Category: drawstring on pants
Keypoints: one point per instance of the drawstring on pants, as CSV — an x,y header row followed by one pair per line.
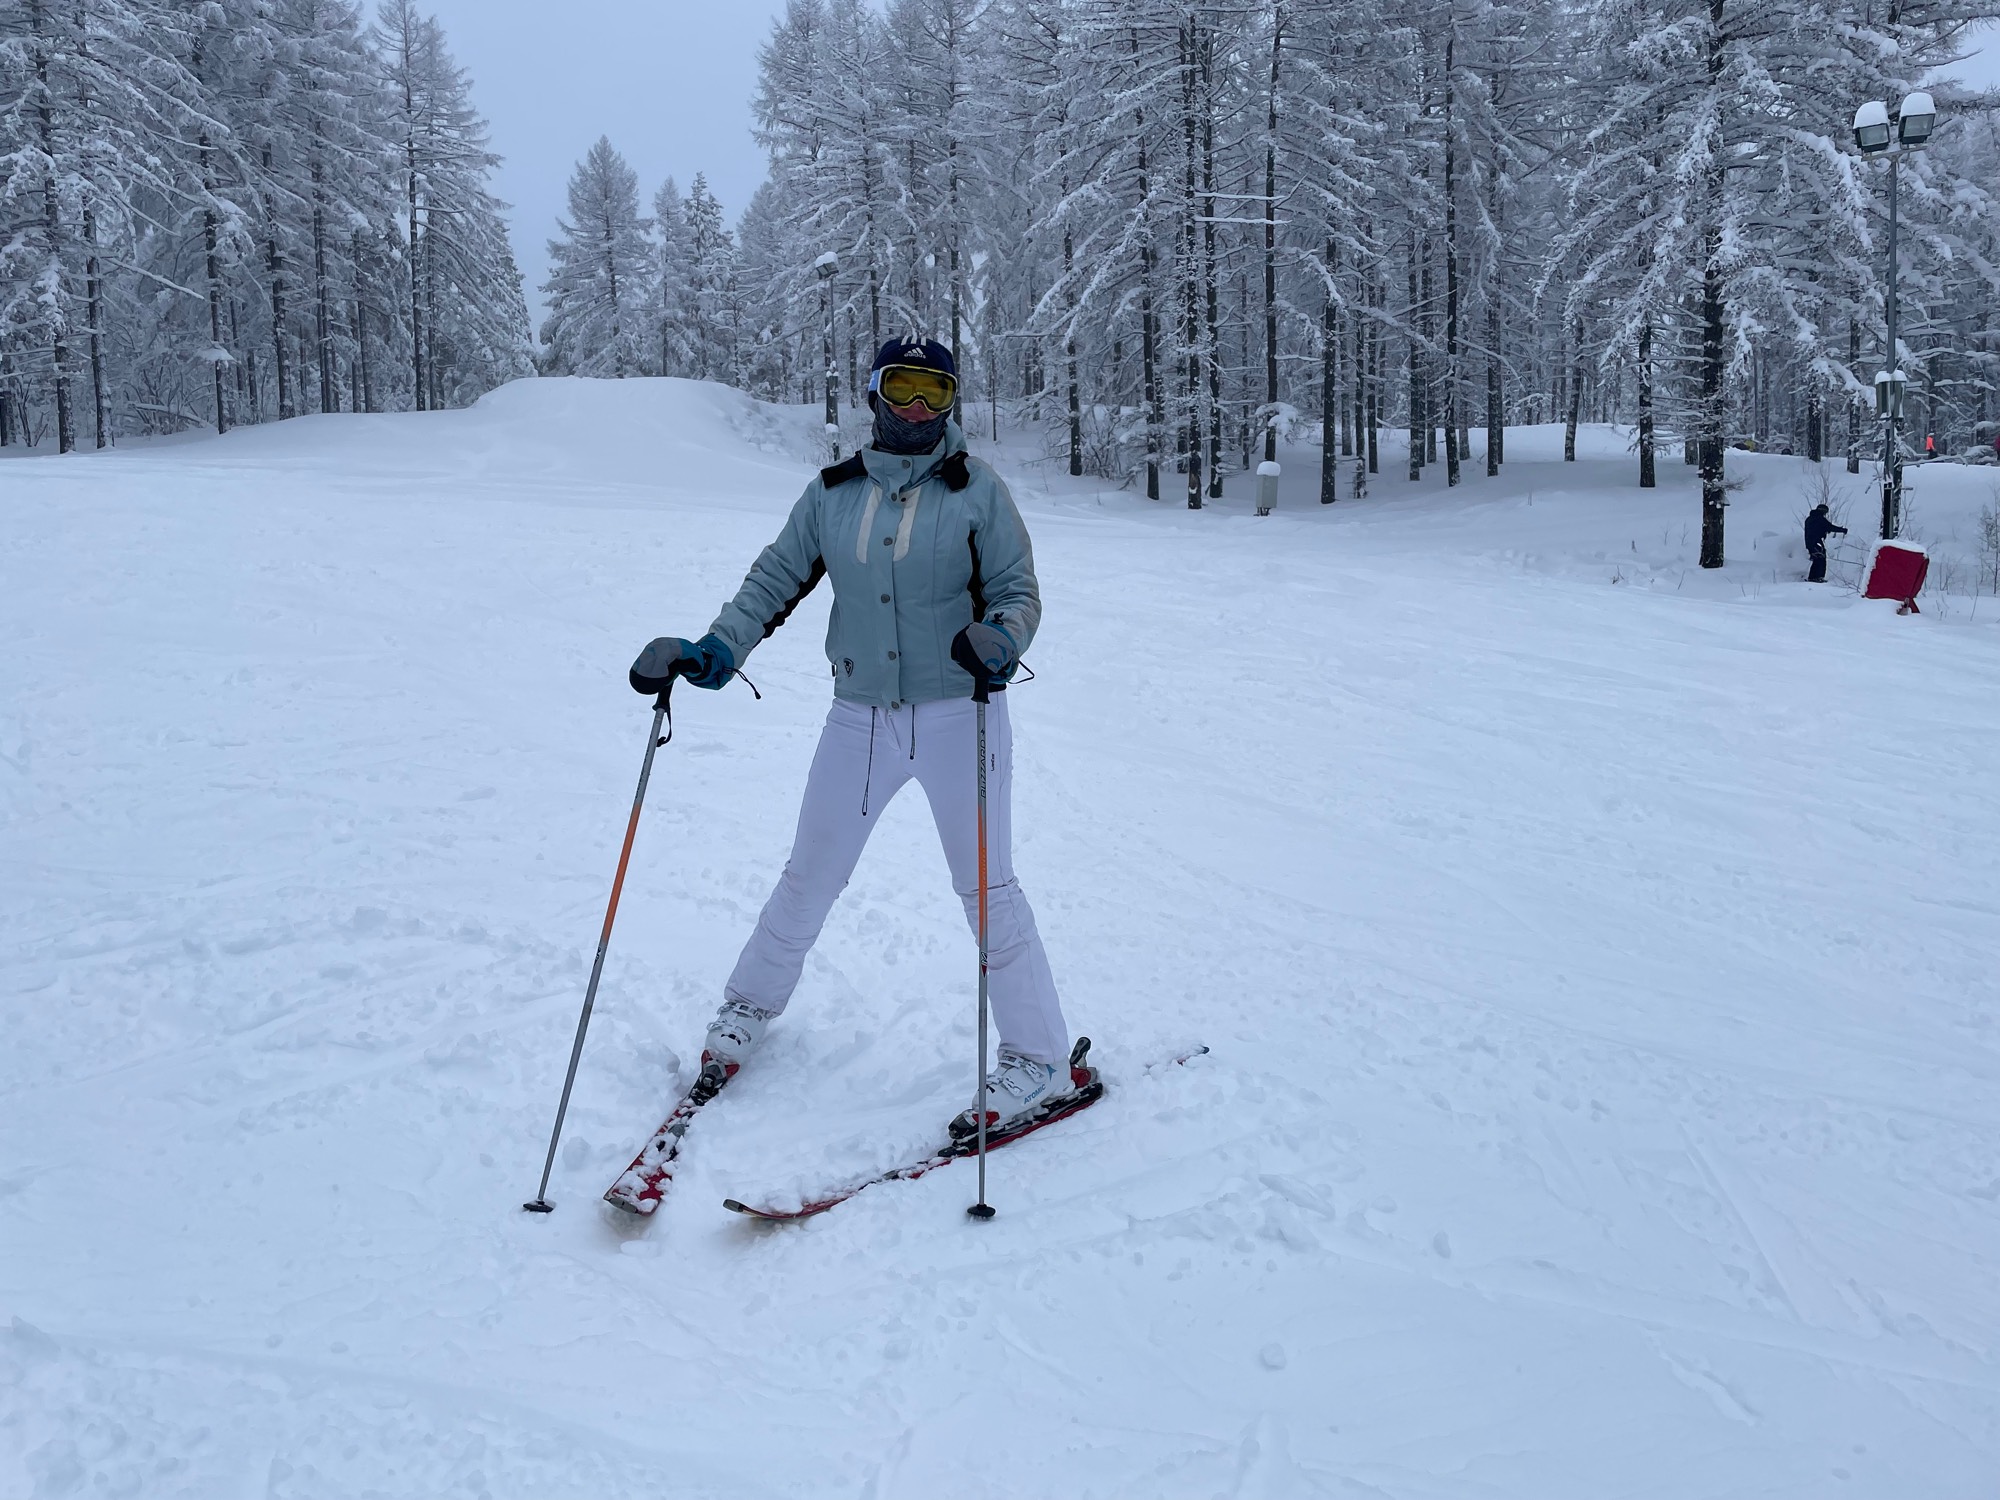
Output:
x,y
876,716
868,775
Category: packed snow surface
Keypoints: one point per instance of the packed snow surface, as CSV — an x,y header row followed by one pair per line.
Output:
x,y
1597,958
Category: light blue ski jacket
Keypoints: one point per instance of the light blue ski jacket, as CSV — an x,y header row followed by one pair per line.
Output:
x,y
917,548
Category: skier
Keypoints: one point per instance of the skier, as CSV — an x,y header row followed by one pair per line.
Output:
x,y
933,578
1818,527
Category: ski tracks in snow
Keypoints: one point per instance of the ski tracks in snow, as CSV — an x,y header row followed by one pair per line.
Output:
x,y
1603,1063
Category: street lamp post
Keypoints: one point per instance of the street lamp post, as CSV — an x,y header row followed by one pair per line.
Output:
x,y
1873,135
825,266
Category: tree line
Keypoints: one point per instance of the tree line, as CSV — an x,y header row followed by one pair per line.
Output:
x,y
217,212
1170,233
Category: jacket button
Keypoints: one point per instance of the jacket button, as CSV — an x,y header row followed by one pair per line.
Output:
x,y
888,541
892,656
885,598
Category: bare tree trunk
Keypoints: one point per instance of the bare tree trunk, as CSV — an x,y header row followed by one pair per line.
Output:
x,y
1069,361
1190,307
1148,321
1454,444
617,323
357,372
1271,274
1243,413
1647,476
57,304
1496,411
874,267
329,395
1211,342
93,291
430,322
1691,362
1417,422
1379,294
1496,408
1714,490
1853,406
1575,391
210,236
1359,366
1427,321
957,272
418,375
1714,483
1329,383
1345,417
274,259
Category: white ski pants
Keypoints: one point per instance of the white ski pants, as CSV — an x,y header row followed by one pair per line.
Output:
x,y
865,756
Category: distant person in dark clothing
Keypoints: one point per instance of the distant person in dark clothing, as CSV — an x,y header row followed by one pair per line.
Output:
x,y
1818,528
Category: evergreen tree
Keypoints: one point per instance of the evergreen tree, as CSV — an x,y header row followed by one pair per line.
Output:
x,y
600,277
220,211
710,270
673,304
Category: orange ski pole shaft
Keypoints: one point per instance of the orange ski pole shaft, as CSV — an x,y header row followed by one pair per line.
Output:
x,y
540,1204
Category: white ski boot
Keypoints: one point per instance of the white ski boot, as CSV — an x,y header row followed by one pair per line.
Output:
x,y
1017,1088
734,1034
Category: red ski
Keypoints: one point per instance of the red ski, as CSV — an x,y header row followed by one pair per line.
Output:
x,y
1087,1089
643,1184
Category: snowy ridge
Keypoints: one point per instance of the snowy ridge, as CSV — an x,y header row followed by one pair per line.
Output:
x,y
1604,1094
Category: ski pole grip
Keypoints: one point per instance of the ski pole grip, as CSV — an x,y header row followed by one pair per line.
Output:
x,y
660,685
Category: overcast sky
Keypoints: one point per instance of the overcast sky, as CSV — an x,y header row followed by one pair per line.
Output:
x,y
668,80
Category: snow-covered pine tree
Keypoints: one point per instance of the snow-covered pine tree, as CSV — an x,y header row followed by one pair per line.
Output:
x,y
600,274
334,120
711,276
671,310
225,243
821,113
466,325
781,360
87,94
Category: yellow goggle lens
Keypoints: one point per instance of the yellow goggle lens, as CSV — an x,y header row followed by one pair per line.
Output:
x,y
902,385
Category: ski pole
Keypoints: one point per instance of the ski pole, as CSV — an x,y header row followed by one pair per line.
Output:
x,y
981,693
540,1203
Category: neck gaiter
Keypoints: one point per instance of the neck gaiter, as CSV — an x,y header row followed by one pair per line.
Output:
x,y
894,435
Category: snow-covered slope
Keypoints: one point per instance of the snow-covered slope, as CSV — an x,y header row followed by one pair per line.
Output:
x,y
1597,958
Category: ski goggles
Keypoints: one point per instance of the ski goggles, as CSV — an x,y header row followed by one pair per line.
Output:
x,y
903,385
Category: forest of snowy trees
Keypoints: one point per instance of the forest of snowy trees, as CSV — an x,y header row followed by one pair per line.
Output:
x,y
215,212
636,296
1168,231
1165,233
